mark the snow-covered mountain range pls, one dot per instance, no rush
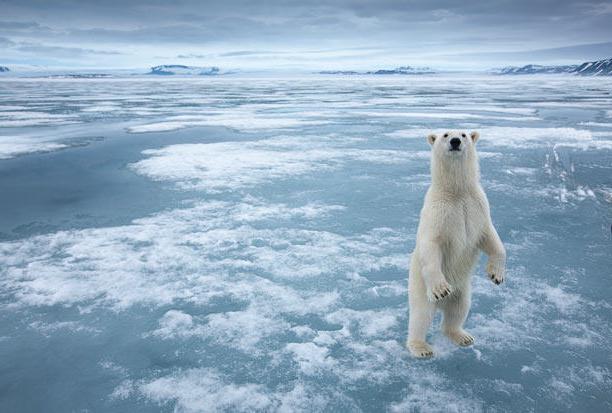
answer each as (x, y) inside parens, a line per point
(184, 70)
(596, 68)
(402, 70)
(339, 72)
(533, 69)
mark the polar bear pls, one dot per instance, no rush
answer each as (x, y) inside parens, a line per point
(455, 225)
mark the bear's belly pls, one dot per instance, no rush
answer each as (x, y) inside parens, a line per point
(460, 245)
(458, 263)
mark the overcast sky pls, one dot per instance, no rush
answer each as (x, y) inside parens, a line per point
(321, 34)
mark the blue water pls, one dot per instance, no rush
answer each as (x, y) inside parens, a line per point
(241, 244)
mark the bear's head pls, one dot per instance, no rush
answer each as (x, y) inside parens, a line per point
(454, 162)
(453, 144)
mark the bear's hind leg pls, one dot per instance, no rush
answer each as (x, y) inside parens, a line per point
(421, 315)
(455, 312)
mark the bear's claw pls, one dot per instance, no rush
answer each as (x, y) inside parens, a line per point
(461, 338)
(420, 349)
(440, 291)
(496, 272)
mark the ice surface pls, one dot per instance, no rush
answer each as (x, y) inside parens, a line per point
(11, 146)
(242, 120)
(232, 165)
(272, 275)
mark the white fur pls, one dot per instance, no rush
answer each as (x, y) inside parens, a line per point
(455, 226)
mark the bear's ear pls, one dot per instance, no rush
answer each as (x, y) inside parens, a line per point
(474, 135)
(431, 138)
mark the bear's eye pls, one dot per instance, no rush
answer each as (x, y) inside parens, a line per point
(446, 135)
(463, 134)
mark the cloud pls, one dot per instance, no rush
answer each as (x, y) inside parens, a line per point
(193, 56)
(579, 52)
(60, 51)
(4, 42)
(402, 31)
(20, 26)
(245, 53)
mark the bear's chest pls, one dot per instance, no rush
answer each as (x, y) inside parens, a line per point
(463, 223)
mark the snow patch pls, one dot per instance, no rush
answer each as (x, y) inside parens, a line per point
(232, 165)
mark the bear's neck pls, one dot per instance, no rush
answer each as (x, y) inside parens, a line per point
(457, 176)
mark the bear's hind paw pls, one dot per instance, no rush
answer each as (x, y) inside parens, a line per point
(461, 338)
(420, 349)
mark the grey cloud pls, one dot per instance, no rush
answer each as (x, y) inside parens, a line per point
(55, 51)
(579, 53)
(248, 53)
(201, 30)
(60, 51)
(263, 53)
(192, 56)
(4, 42)
(20, 25)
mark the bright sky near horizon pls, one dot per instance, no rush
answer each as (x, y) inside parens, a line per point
(291, 34)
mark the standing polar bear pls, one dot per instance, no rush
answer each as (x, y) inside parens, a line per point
(455, 224)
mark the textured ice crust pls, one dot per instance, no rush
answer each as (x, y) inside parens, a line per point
(281, 284)
(10, 148)
(290, 105)
(178, 255)
(524, 137)
(233, 165)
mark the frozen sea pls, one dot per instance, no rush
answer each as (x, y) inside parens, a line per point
(242, 244)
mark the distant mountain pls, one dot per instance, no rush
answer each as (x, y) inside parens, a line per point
(596, 68)
(533, 69)
(168, 70)
(81, 76)
(4, 69)
(339, 72)
(404, 70)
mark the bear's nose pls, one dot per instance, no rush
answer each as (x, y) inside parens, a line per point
(455, 142)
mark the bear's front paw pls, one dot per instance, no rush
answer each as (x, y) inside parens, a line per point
(496, 272)
(439, 291)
